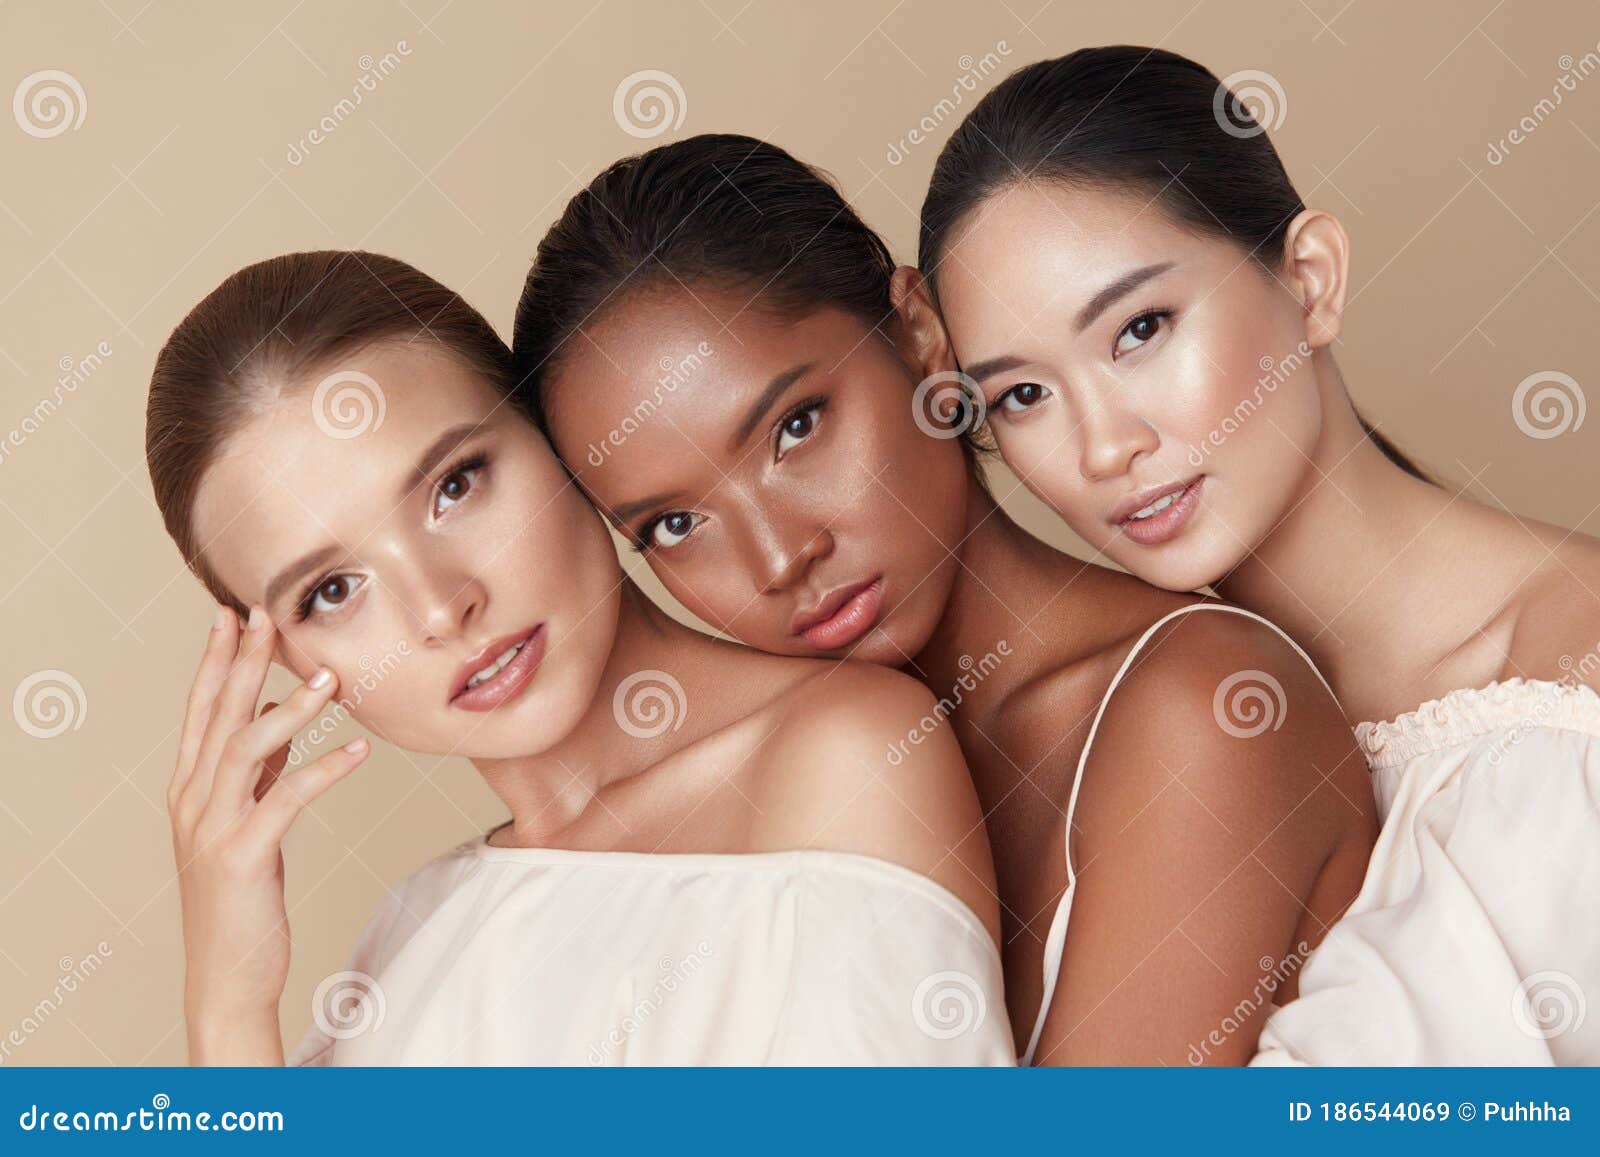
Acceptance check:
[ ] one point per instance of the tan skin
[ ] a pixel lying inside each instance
(759, 492)
(1402, 591)
(487, 539)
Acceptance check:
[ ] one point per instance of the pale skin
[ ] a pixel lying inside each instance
(1403, 591)
(773, 754)
(1199, 855)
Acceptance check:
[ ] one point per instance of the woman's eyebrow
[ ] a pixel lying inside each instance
(1118, 289)
(771, 394)
(295, 571)
(436, 453)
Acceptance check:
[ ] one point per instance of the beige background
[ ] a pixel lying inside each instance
(1469, 276)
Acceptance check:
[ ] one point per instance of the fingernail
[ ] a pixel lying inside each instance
(320, 680)
(356, 746)
(258, 618)
(222, 618)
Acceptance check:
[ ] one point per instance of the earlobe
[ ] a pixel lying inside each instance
(1317, 251)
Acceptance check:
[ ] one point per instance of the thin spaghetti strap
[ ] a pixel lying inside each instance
(1057, 938)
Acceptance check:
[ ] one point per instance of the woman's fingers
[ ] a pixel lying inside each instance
(281, 806)
(274, 765)
(235, 704)
(256, 745)
(221, 645)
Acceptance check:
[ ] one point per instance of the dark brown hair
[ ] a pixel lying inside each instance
(269, 326)
(1141, 118)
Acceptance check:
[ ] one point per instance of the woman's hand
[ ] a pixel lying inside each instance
(230, 812)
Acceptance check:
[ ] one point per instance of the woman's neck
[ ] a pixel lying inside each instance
(1355, 570)
(551, 790)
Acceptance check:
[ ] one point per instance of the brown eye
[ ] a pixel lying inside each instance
(1140, 330)
(797, 427)
(1022, 396)
(455, 486)
(334, 591)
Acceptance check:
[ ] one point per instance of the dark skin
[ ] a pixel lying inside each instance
(760, 494)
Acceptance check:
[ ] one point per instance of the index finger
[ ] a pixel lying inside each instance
(221, 645)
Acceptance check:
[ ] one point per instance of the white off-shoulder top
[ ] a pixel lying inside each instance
(1475, 939)
(531, 956)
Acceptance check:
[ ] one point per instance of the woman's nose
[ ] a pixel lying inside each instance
(1112, 437)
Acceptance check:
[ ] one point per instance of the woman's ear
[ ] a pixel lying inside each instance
(1317, 259)
(920, 332)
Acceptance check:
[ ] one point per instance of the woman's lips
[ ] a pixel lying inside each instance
(510, 680)
(853, 612)
(1158, 528)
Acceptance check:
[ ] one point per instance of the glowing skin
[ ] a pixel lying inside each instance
(447, 569)
(1201, 371)
(812, 519)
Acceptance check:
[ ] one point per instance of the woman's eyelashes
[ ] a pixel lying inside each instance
(667, 530)
(327, 596)
(798, 425)
(1020, 398)
(457, 482)
(1140, 330)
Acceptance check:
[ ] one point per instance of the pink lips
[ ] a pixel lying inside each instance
(843, 616)
(1158, 528)
(509, 681)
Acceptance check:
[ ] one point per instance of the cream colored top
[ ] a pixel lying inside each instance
(1475, 939)
(531, 956)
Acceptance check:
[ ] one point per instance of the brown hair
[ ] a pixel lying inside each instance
(268, 326)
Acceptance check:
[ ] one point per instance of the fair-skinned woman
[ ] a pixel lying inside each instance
(1151, 316)
(707, 859)
(785, 489)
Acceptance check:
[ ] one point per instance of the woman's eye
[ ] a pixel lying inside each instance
(797, 427)
(1140, 330)
(1023, 396)
(670, 529)
(453, 487)
(329, 595)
